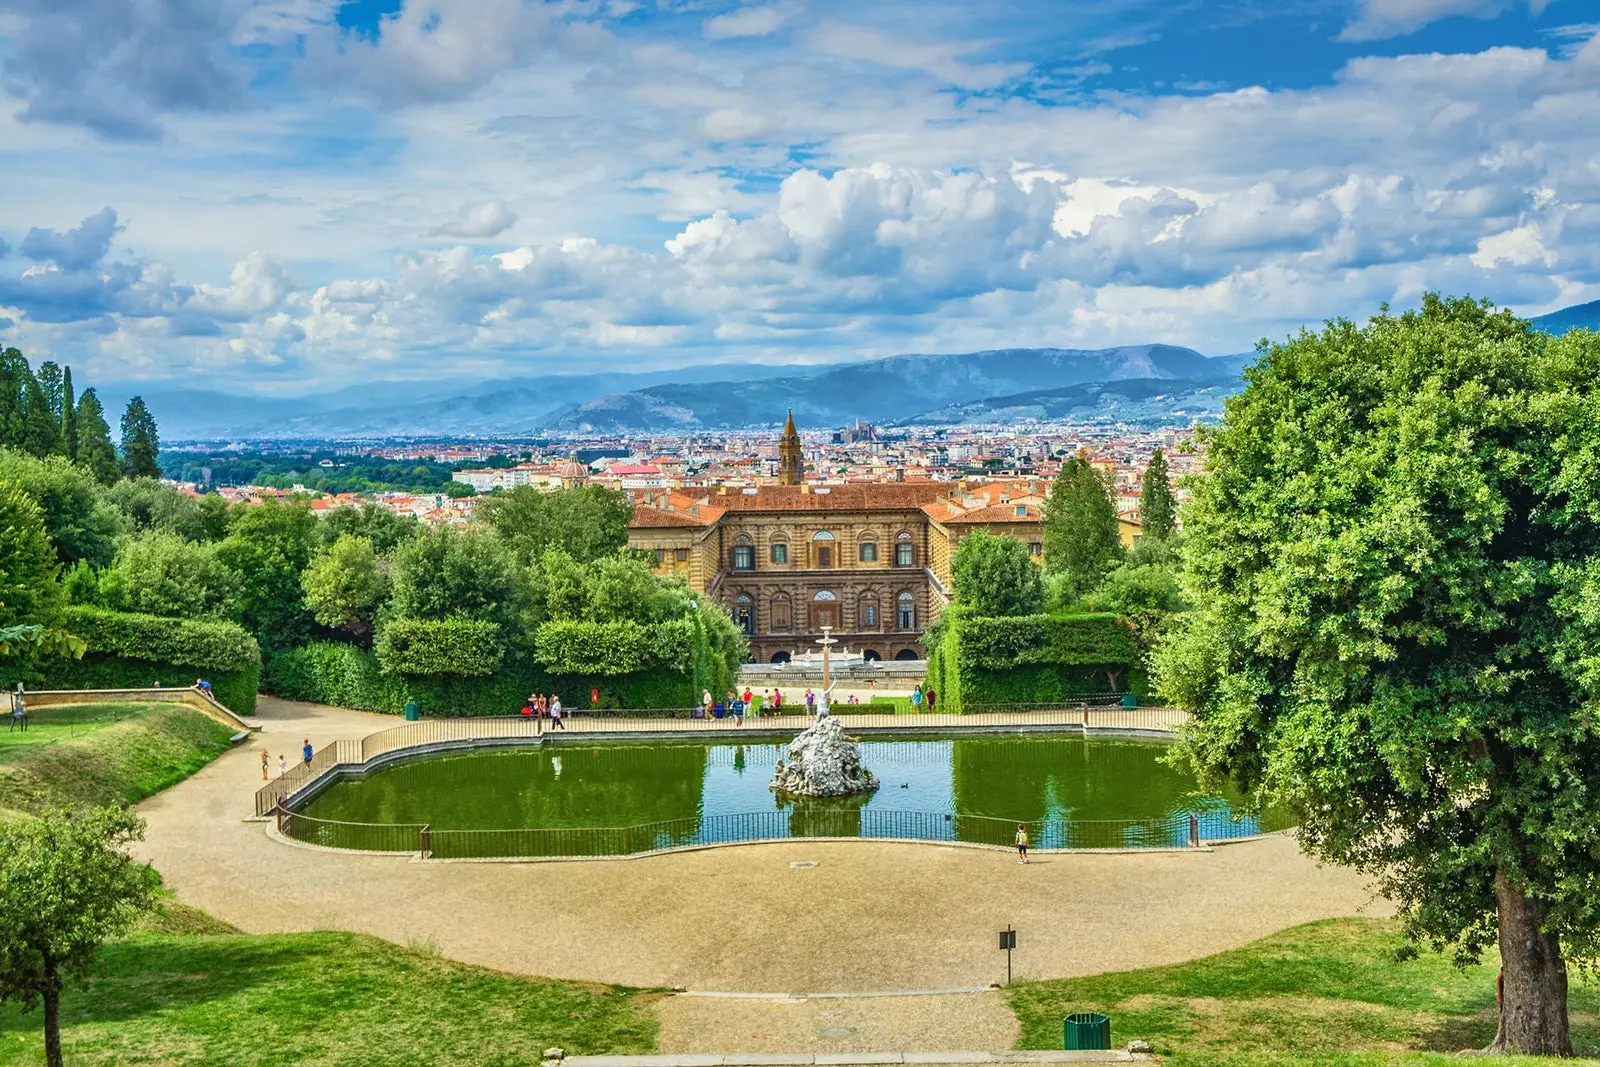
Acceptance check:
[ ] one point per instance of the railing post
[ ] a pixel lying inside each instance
(427, 841)
(281, 810)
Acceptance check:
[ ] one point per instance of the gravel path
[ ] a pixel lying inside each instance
(868, 917)
(961, 1021)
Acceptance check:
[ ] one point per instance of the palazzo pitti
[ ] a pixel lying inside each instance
(870, 561)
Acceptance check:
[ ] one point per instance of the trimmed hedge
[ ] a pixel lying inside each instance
(128, 650)
(1030, 659)
(621, 646)
(468, 648)
(331, 672)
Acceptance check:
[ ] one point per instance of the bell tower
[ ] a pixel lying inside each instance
(791, 459)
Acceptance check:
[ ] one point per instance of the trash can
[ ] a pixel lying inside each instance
(1086, 1030)
(1130, 701)
(413, 712)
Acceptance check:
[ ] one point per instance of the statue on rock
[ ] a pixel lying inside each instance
(823, 762)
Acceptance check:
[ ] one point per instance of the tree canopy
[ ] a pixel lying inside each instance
(1394, 557)
(94, 451)
(1158, 509)
(66, 886)
(995, 576)
(81, 524)
(269, 545)
(140, 443)
(1081, 541)
(586, 522)
(159, 573)
(345, 586)
(29, 592)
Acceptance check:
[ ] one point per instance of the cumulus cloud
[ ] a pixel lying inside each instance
(749, 22)
(118, 67)
(488, 218)
(77, 249)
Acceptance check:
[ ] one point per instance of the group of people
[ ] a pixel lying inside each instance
(924, 697)
(283, 762)
(539, 707)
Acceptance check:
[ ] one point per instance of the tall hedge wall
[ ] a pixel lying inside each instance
(128, 650)
(1030, 659)
(330, 672)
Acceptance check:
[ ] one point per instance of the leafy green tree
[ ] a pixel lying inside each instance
(1394, 557)
(1158, 510)
(49, 377)
(1081, 541)
(140, 442)
(468, 573)
(67, 885)
(377, 524)
(586, 522)
(269, 545)
(213, 511)
(158, 572)
(81, 523)
(95, 452)
(345, 586)
(615, 587)
(152, 505)
(994, 577)
(29, 590)
(69, 416)
(14, 375)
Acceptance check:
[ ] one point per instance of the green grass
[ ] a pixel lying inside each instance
(318, 999)
(74, 756)
(1327, 993)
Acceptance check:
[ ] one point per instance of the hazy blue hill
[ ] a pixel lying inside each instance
(1138, 401)
(1576, 317)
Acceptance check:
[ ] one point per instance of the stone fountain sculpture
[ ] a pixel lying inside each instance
(823, 762)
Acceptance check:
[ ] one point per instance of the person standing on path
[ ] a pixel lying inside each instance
(283, 765)
(916, 697)
(931, 697)
(811, 701)
(266, 761)
(19, 711)
(1022, 843)
(305, 752)
(555, 714)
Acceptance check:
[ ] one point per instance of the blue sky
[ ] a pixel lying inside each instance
(281, 196)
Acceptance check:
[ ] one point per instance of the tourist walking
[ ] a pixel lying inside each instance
(916, 697)
(555, 714)
(1022, 843)
(266, 761)
(777, 701)
(811, 701)
(305, 752)
(931, 697)
(19, 710)
(736, 705)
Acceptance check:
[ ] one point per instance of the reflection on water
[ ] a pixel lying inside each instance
(1070, 791)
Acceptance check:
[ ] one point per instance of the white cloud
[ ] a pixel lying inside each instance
(1378, 19)
(943, 59)
(749, 22)
(488, 218)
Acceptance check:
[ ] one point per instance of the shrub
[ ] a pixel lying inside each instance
(618, 647)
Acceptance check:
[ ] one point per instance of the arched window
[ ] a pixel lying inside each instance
(823, 594)
(744, 613)
(869, 613)
(870, 655)
(822, 535)
(823, 549)
(905, 552)
(906, 611)
(744, 554)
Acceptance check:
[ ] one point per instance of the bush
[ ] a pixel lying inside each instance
(1031, 659)
(469, 648)
(332, 672)
(618, 647)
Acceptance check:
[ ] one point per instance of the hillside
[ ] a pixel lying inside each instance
(1576, 317)
(1139, 402)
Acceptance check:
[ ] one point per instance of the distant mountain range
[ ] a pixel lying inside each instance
(1153, 384)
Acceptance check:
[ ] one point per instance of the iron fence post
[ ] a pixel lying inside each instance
(427, 841)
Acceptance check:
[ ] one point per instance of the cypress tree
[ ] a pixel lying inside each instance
(41, 427)
(140, 443)
(94, 439)
(49, 379)
(13, 375)
(1158, 511)
(69, 416)
(1080, 527)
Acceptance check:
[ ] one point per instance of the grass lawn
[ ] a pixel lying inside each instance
(180, 994)
(1327, 993)
(82, 755)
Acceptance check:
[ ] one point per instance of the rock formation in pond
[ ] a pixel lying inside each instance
(823, 762)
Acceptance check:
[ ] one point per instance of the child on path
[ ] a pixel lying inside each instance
(305, 751)
(266, 761)
(283, 765)
(1022, 843)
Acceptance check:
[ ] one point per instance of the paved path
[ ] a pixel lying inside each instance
(876, 1024)
(868, 917)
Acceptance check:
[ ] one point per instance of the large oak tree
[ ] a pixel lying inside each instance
(1394, 558)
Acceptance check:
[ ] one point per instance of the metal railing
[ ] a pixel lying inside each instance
(1177, 830)
(590, 723)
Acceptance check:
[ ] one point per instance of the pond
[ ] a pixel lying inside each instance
(613, 799)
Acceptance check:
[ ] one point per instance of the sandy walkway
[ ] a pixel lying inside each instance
(966, 1021)
(868, 917)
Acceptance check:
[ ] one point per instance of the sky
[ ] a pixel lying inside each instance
(279, 197)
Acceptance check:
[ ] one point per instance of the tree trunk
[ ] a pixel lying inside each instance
(52, 1015)
(1533, 1019)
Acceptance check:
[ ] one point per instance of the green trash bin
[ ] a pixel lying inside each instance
(413, 712)
(1130, 701)
(1086, 1030)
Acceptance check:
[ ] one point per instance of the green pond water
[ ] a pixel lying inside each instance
(600, 799)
